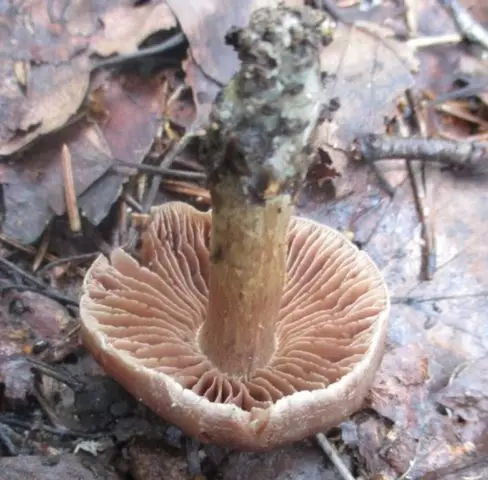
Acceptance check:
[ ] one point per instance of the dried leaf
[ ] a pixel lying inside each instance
(33, 186)
(211, 62)
(133, 110)
(125, 27)
(365, 74)
(67, 466)
(53, 96)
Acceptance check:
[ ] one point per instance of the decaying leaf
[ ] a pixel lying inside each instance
(66, 466)
(54, 94)
(132, 113)
(126, 26)
(365, 72)
(33, 186)
(210, 61)
(17, 377)
(466, 398)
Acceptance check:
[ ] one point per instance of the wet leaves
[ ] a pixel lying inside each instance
(33, 186)
(126, 27)
(365, 71)
(54, 96)
(59, 466)
(427, 413)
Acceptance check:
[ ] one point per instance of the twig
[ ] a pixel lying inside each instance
(458, 112)
(411, 17)
(69, 191)
(42, 250)
(419, 187)
(468, 26)
(432, 41)
(7, 420)
(189, 189)
(12, 267)
(11, 242)
(464, 92)
(5, 434)
(162, 171)
(74, 258)
(470, 156)
(331, 452)
(414, 300)
(28, 249)
(168, 44)
(47, 293)
(132, 202)
(166, 163)
(45, 369)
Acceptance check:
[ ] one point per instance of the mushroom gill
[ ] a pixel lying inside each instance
(151, 311)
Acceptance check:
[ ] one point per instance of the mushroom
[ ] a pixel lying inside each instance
(245, 326)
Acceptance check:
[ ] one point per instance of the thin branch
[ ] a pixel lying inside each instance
(73, 258)
(334, 457)
(168, 44)
(464, 92)
(166, 162)
(432, 41)
(71, 202)
(162, 171)
(415, 300)
(8, 420)
(419, 187)
(464, 155)
(411, 17)
(48, 370)
(47, 293)
(132, 202)
(468, 26)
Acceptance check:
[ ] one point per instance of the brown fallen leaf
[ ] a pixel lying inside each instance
(33, 186)
(204, 90)
(210, 61)
(411, 436)
(67, 466)
(54, 95)
(133, 108)
(300, 461)
(28, 317)
(17, 377)
(364, 74)
(466, 398)
(126, 27)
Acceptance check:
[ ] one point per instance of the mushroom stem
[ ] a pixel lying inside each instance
(257, 153)
(247, 275)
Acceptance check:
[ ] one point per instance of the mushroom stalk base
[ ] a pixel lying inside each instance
(247, 274)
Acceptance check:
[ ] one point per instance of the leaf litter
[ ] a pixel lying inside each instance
(426, 414)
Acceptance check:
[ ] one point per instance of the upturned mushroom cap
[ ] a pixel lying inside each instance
(141, 321)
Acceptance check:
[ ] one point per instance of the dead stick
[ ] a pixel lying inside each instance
(166, 162)
(69, 191)
(42, 249)
(168, 44)
(331, 452)
(419, 187)
(411, 17)
(470, 156)
(465, 23)
(432, 41)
